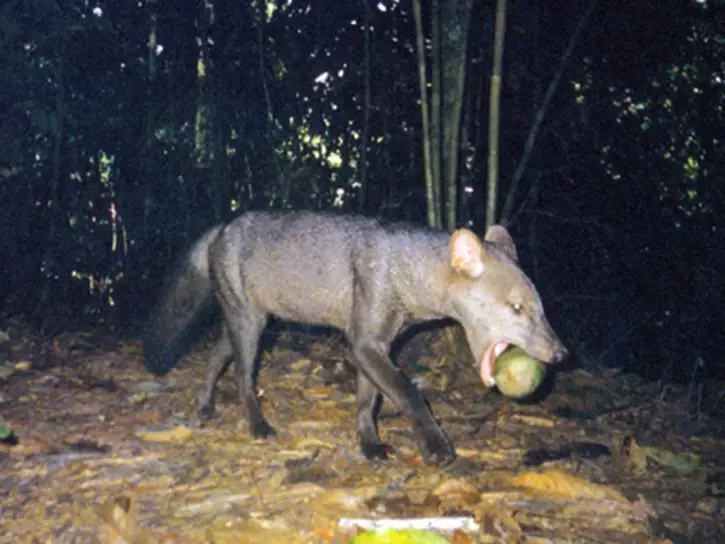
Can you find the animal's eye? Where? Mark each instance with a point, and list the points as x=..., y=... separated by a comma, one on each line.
x=517, y=308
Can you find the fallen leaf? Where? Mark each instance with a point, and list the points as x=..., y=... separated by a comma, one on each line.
x=324, y=533
x=6, y=370
x=533, y=420
x=119, y=516
x=150, y=387
x=455, y=493
x=5, y=432
x=561, y=483
x=398, y=504
x=498, y=522
x=300, y=364
x=177, y=434
x=319, y=392
x=343, y=500
x=313, y=443
x=467, y=452
x=461, y=537
x=681, y=461
x=637, y=458
x=31, y=445
x=23, y=365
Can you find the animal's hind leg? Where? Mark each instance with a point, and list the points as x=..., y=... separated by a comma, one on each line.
x=245, y=338
x=368, y=404
x=219, y=359
x=244, y=322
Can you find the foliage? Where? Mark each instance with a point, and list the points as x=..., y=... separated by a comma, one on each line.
x=5, y=432
x=129, y=128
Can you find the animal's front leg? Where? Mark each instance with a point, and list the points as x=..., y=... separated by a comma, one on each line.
x=374, y=362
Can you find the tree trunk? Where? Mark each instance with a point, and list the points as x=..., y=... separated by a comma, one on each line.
x=541, y=115
x=494, y=113
x=455, y=18
x=433, y=218
x=283, y=182
x=204, y=121
x=435, y=108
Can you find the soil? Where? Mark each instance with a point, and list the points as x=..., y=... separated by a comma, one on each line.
x=102, y=451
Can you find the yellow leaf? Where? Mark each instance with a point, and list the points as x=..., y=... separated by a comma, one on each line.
x=177, y=434
x=300, y=364
x=313, y=443
x=23, y=365
x=118, y=513
x=637, y=458
x=561, y=483
x=456, y=491
x=319, y=392
x=534, y=420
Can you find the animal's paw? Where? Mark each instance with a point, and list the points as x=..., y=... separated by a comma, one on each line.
x=262, y=429
x=437, y=450
x=205, y=411
x=376, y=450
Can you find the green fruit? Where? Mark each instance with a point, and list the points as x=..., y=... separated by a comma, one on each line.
x=517, y=373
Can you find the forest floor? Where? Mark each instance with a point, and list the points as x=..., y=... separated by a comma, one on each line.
x=102, y=451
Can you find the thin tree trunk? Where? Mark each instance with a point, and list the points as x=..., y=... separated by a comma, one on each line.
x=494, y=113
x=432, y=216
x=149, y=107
x=456, y=17
x=465, y=174
x=283, y=184
x=205, y=122
x=54, y=209
x=435, y=108
x=541, y=114
x=478, y=115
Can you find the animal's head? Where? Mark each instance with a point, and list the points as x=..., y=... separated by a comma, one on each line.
x=496, y=302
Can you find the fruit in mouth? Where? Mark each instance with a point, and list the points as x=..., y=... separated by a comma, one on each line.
x=488, y=362
x=517, y=374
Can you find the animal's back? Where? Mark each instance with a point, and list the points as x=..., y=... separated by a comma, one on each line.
x=299, y=266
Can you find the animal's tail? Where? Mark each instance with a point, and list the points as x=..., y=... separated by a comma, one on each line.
x=182, y=305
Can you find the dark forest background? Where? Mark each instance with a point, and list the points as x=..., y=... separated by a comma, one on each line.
x=128, y=128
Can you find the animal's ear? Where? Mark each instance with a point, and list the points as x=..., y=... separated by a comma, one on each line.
x=467, y=253
x=498, y=235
